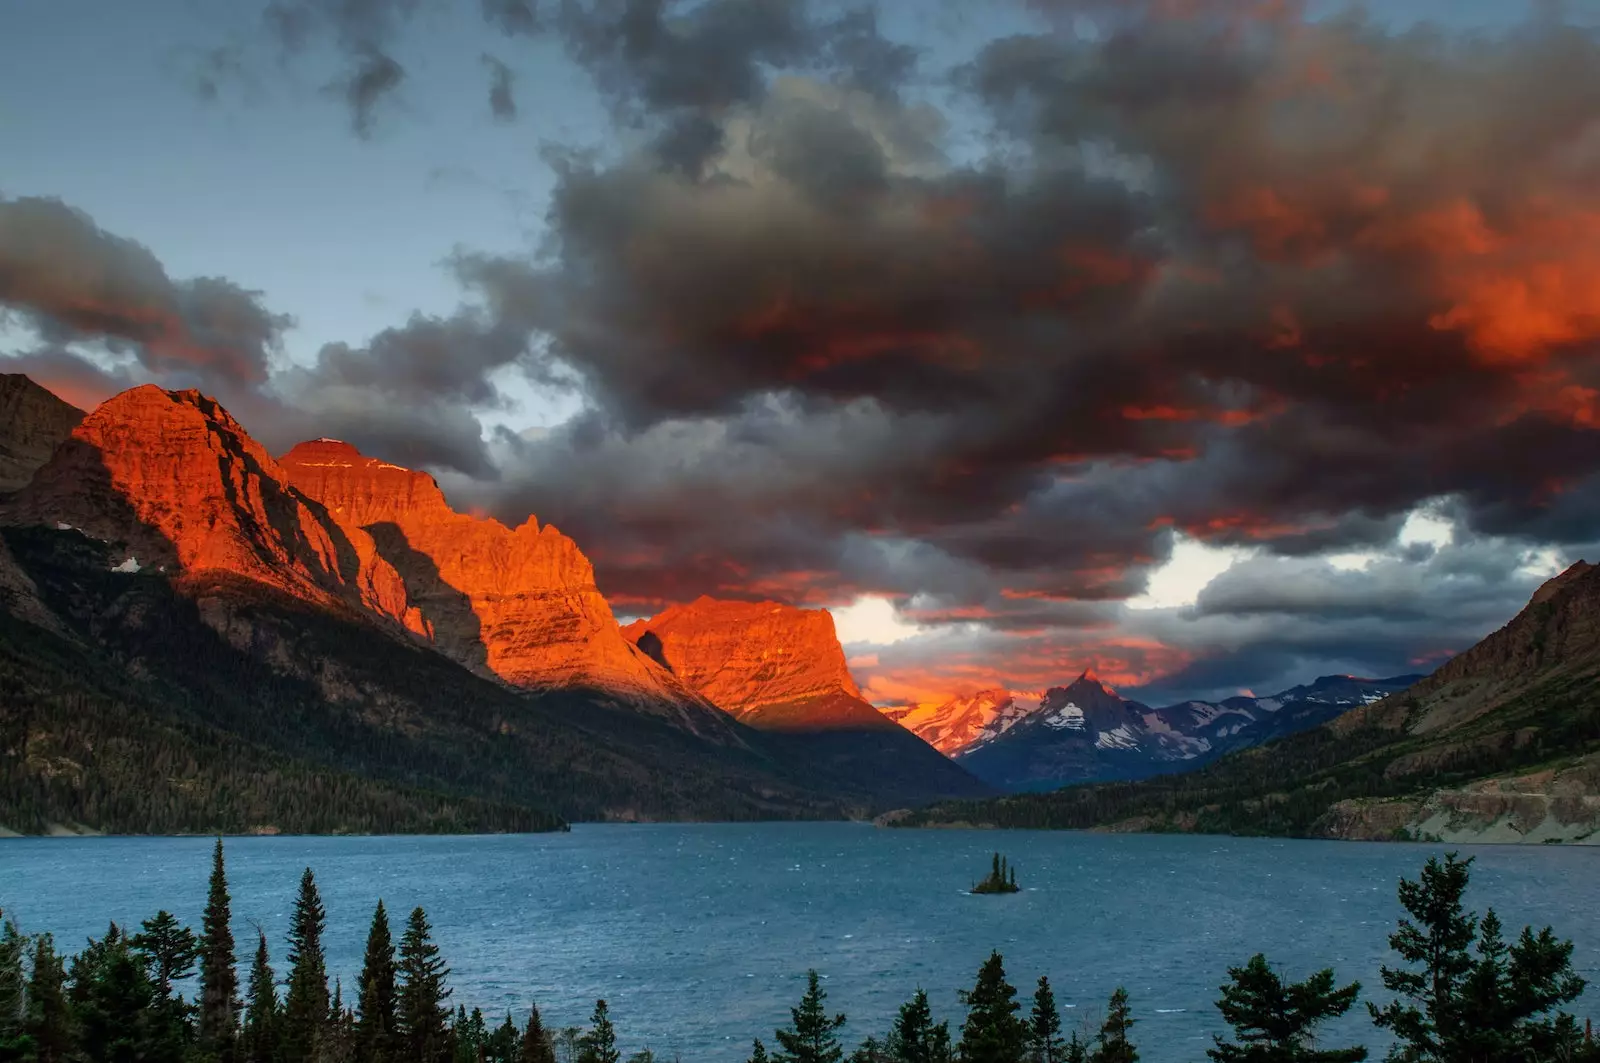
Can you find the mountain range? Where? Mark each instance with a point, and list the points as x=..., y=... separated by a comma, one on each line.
x=172, y=588
x=196, y=635
x=1501, y=743
x=1086, y=732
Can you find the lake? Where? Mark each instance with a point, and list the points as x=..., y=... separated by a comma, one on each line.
x=699, y=936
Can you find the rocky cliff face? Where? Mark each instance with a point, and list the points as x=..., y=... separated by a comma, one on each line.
x=965, y=722
x=33, y=422
x=174, y=479
x=518, y=603
x=747, y=657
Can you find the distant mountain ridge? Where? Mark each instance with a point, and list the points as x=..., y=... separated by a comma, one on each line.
x=1500, y=744
x=1086, y=732
x=36, y=423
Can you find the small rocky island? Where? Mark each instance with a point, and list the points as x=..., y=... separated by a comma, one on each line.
x=1002, y=878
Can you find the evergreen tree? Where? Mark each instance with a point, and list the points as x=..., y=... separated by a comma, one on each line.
x=219, y=981
x=1112, y=1044
x=1045, y=1044
x=471, y=1036
x=1276, y=1022
x=168, y=948
x=599, y=1044
x=915, y=1038
x=811, y=1036
x=115, y=1004
x=15, y=1044
x=503, y=1043
x=1461, y=1005
x=758, y=1052
x=375, y=1001
x=305, y=1004
x=1076, y=1051
x=870, y=1051
x=338, y=1043
x=49, y=1017
x=536, y=1044
x=422, y=1020
x=992, y=1033
x=258, y=1036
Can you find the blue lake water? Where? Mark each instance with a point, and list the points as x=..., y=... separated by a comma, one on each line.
x=699, y=936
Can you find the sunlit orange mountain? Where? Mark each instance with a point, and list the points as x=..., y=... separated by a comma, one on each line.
x=779, y=668
x=520, y=603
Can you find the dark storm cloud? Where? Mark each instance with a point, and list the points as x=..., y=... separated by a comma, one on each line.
x=514, y=18
x=1268, y=282
x=69, y=279
x=502, y=89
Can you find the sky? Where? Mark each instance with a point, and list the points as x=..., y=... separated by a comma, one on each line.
x=1211, y=344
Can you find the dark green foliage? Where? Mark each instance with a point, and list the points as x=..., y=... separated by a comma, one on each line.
x=1076, y=1050
x=1045, y=1043
x=422, y=1018
x=758, y=1052
x=338, y=1043
x=870, y=1051
x=169, y=948
x=470, y=1034
x=259, y=1031
x=915, y=1037
x=812, y=1035
x=599, y=1043
x=1113, y=1044
x=118, y=1014
x=15, y=1044
x=305, y=1004
x=537, y=1046
x=49, y=1016
x=504, y=1044
x=219, y=980
x=993, y=1032
x=375, y=1037
x=1456, y=1004
x=1275, y=1022
x=1002, y=878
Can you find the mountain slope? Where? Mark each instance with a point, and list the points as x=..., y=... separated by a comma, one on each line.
x=1501, y=743
x=33, y=422
x=781, y=670
x=178, y=672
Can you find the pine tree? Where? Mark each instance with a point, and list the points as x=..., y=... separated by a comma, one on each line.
x=536, y=1044
x=1276, y=1023
x=471, y=1036
x=870, y=1051
x=422, y=1019
x=219, y=981
x=305, y=1004
x=599, y=1044
x=758, y=1052
x=1076, y=1051
x=169, y=948
x=14, y=1040
x=1112, y=1045
x=503, y=1043
x=992, y=1033
x=49, y=1016
x=811, y=1036
x=258, y=1035
x=915, y=1038
x=1456, y=1005
x=1045, y=1043
x=375, y=1002
x=115, y=1005
x=338, y=1043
